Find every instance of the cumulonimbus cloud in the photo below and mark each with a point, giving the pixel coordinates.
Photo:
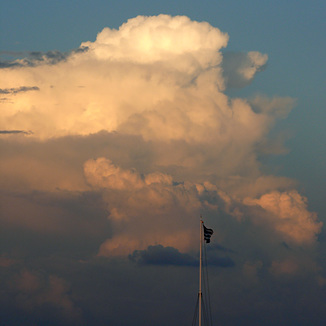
(132, 80)
(162, 81)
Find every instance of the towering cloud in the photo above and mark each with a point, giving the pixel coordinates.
(140, 117)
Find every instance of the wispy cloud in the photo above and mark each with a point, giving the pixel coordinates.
(35, 58)
(8, 132)
(18, 89)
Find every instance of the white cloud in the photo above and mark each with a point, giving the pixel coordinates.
(156, 76)
(182, 44)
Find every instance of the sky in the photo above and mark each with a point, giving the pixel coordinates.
(124, 122)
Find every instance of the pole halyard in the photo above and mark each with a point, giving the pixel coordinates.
(200, 271)
(201, 308)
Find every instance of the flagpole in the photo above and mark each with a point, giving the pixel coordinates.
(200, 270)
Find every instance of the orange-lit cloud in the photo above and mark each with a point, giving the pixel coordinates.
(145, 210)
(287, 212)
(140, 117)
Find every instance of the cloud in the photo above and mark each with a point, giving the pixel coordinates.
(145, 209)
(158, 78)
(36, 296)
(239, 69)
(6, 262)
(177, 41)
(137, 123)
(159, 255)
(18, 90)
(221, 262)
(289, 215)
(157, 71)
(36, 58)
(6, 132)
(131, 138)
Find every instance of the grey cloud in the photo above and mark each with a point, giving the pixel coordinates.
(50, 57)
(8, 132)
(36, 296)
(81, 49)
(9, 64)
(221, 262)
(219, 247)
(234, 64)
(18, 89)
(35, 58)
(77, 219)
(160, 255)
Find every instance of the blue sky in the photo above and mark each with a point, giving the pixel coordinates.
(107, 148)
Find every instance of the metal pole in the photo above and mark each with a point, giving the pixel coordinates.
(200, 267)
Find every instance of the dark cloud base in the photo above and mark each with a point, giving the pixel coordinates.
(160, 255)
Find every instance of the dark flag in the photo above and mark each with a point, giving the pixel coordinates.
(207, 234)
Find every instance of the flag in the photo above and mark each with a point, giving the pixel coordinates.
(207, 234)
